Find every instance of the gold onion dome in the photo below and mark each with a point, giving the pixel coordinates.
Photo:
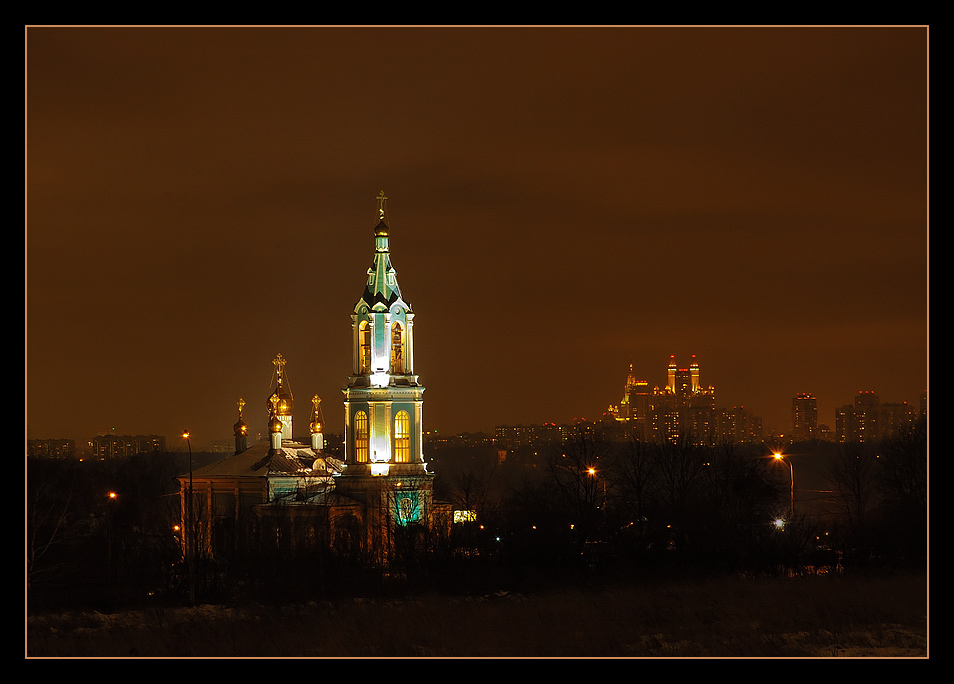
(280, 401)
(381, 230)
(275, 424)
(315, 423)
(241, 427)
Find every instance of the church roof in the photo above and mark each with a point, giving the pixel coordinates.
(260, 460)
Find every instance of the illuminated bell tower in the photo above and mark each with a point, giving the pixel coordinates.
(383, 399)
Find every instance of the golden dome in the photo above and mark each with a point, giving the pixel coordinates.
(315, 423)
(280, 402)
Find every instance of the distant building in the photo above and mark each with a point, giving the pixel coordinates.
(804, 417)
(738, 426)
(516, 436)
(51, 448)
(104, 447)
(464, 439)
(868, 419)
(683, 408)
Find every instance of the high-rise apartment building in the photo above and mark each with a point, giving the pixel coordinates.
(104, 447)
(51, 448)
(867, 419)
(804, 417)
(684, 408)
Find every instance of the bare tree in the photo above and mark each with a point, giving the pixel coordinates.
(636, 472)
(853, 477)
(580, 470)
(680, 465)
(471, 490)
(47, 522)
(904, 465)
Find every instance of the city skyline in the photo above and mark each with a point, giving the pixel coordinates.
(564, 202)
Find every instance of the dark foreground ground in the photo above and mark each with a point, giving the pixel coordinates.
(815, 616)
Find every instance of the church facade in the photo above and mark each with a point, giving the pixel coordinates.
(291, 495)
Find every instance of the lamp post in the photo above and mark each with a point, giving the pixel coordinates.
(779, 457)
(110, 498)
(190, 527)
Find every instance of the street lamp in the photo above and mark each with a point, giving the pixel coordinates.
(779, 457)
(110, 497)
(190, 527)
(185, 436)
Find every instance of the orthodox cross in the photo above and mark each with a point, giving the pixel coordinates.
(315, 412)
(381, 200)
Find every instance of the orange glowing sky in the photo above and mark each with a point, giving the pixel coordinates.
(563, 202)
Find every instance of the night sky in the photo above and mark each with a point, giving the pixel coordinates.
(563, 202)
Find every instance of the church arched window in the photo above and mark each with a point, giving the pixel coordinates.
(397, 349)
(402, 437)
(361, 438)
(364, 347)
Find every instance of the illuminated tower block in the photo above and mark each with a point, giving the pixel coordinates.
(694, 375)
(804, 417)
(671, 374)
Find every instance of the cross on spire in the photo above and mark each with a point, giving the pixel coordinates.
(381, 202)
(279, 363)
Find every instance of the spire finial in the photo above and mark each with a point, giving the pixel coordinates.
(315, 424)
(382, 199)
(279, 363)
(240, 427)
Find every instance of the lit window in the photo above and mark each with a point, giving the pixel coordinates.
(361, 441)
(402, 437)
(364, 342)
(397, 349)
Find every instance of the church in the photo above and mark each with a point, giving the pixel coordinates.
(282, 494)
